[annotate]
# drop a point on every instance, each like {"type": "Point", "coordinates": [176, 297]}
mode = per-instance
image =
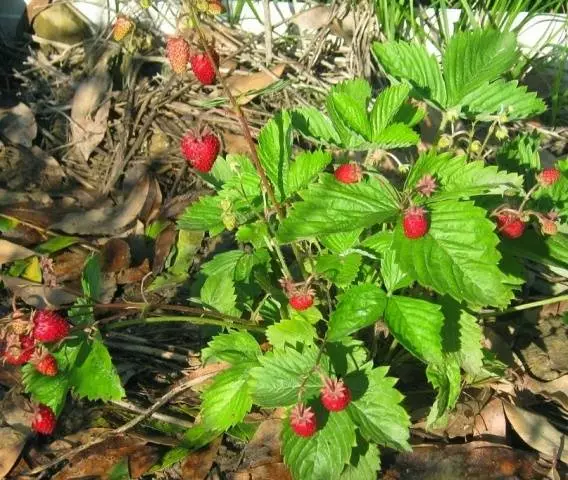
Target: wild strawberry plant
{"type": "Point", "coordinates": [327, 246]}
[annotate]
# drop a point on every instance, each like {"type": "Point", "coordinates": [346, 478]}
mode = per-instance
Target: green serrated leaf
{"type": "Point", "coordinates": [417, 325]}
{"type": "Point", "coordinates": [55, 244]}
{"type": "Point", "coordinates": [552, 250]}
{"type": "Point", "coordinates": [282, 371]}
{"type": "Point", "coordinates": [313, 124]}
{"type": "Point", "coordinates": [348, 117]}
{"type": "Point", "coordinates": [462, 337]}
{"type": "Point", "coordinates": [339, 269]}
{"type": "Point", "coordinates": [324, 455]}
{"type": "Point", "coordinates": [520, 154]}
{"type": "Point", "coordinates": [473, 58]}
{"type": "Point", "coordinates": [253, 233]}
{"type": "Point", "coordinates": [410, 115]}
{"type": "Point", "coordinates": [393, 276]}
{"type": "Point", "coordinates": [305, 168]}
{"type": "Point", "coordinates": [311, 315]}
{"type": "Point", "coordinates": [228, 399]}
{"type": "Point", "coordinates": [91, 279]}
{"type": "Point", "coordinates": [379, 242]}
{"type": "Point", "coordinates": [396, 135]}
{"type": "Point", "coordinates": [218, 292]}
{"type": "Point", "coordinates": [223, 263]}
{"type": "Point", "coordinates": [359, 307]}
{"type": "Point", "coordinates": [204, 215]}
{"type": "Point", "coordinates": [376, 408]}
{"type": "Point", "coordinates": [94, 376]}
{"type": "Point", "coordinates": [233, 347]}
{"type": "Point", "coordinates": [339, 242]}
{"type": "Point", "coordinates": [387, 104]}
{"type": "Point", "coordinates": [412, 62]}
{"type": "Point", "coordinates": [82, 312]}
{"type": "Point", "coordinates": [290, 332]}
{"type": "Point", "coordinates": [446, 378]}
{"type": "Point", "coordinates": [333, 207]}
{"type": "Point", "coordinates": [457, 256]}
{"type": "Point", "coordinates": [275, 150]}
{"type": "Point", "coordinates": [187, 245]}
{"type": "Point", "coordinates": [364, 464]}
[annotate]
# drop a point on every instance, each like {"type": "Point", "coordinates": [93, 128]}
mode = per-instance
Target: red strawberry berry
{"type": "Point", "coordinates": [49, 326]}
{"type": "Point", "coordinates": [511, 226]}
{"type": "Point", "coordinates": [348, 173]}
{"type": "Point", "coordinates": [177, 51]}
{"type": "Point", "coordinates": [335, 395]}
{"type": "Point", "coordinates": [549, 176]}
{"type": "Point", "coordinates": [20, 352]}
{"type": "Point", "coordinates": [301, 301]}
{"type": "Point", "coordinates": [201, 150]}
{"type": "Point", "coordinates": [47, 365]}
{"type": "Point", "coordinates": [122, 27]}
{"type": "Point", "coordinates": [202, 67]}
{"type": "Point", "coordinates": [44, 420]}
{"type": "Point", "coordinates": [414, 223]}
{"type": "Point", "coordinates": [303, 420]}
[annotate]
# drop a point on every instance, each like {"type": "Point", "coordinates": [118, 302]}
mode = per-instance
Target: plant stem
{"type": "Point", "coordinates": [526, 306]}
{"type": "Point", "coordinates": [182, 318]}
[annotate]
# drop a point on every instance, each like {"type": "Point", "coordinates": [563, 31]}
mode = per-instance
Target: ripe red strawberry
{"type": "Point", "coordinates": [44, 420]}
{"type": "Point", "coordinates": [177, 51]}
{"type": "Point", "coordinates": [348, 173]}
{"type": "Point", "coordinates": [122, 27]}
{"type": "Point", "coordinates": [511, 226]}
{"type": "Point", "coordinates": [414, 223]}
{"type": "Point", "coordinates": [20, 352]}
{"type": "Point", "coordinates": [200, 150]}
{"type": "Point", "coordinates": [202, 67]}
{"type": "Point", "coordinates": [548, 227]}
{"type": "Point", "coordinates": [549, 176]}
{"type": "Point", "coordinates": [303, 420]}
{"type": "Point", "coordinates": [49, 326]}
{"type": "Point", "coordinates": [301, 301]}
{"type": "Point", "coordinates": [335, 395]}
{"type": "Point", "coordinates": [47, 365]}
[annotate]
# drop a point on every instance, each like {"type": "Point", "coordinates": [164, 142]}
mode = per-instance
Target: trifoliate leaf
{"type": "Point", "coordinates": [313, 124]}
{"type": "Point", "coordinates": [282, 371]}
{"type": "Point", "coordinates": [412, 62]}
{"type": "Point", "coordinates": [94, 376]}
{"type": "Point", "coordinates": [457, 256]}
{"type": "Point", "coordinates": [339, 269]}
{"type": "Point", "coordinates": [234, 347]}
{"type": "Point", "coordinates": [275, 150]}
{"type": "Point", "coordinates": [417, 325]}
{"type": "Point", "coordinates": [324, 455]}
{"type": "Point", "coordinates": [462, 336]}
{"type": "Point", "coordinates": [376, 408]}
{"type": "Point", "coordinates": [290, 332]}
{"type": "Point", "coordinates": [501, 97]}
{"type": "Point", "coordinates": [475, 57]}
{"type": "Point", "coordinates": [446, 378]}
{"type": "Point", "coordinates": [339, 242]}
{"type": "Point", "coordinates": [305, 168]}
{"type": "Point", "coordinates": [204, 215]}
{"type": "Point", "coordinates": [228, 399]}
{"type": "Point", "coordinates": [386, 106]}
{"type": "Point", "coordinates": [333, 207]}
{"type": "Point", "coordinates": [218, 292]}
{"type": "Point", "coordinates": [364, 463]}
{"type": "Point", "coordinates": [359, 307]}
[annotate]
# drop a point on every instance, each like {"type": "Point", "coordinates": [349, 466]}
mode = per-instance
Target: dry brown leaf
{"type": "Point", "coordinates": [106, 220]}
{"type": "Point", "coordinates": [99, 460]}
{"type": "Point", "coordinates": [10, 252]}
{"type": "Point", "coordinates": [69, 265]}
{"type": "Point", "coordinates": [89, 114]}
{"type": "Point", "coordinates": [134, 274]}
{"type": "Point", "coordinates": [491, 420]}
{"type": "Point", "coordinates": [536, 431]}
{"type": "Point", "coordinates": [36, 294]}
{"type": "Point", "coordinates": [197, 464]}
{"type": "Point", "coordinates": [264, 472]}
{"type": "Point", "coordinates": [18, 124]}
{"type": "Point", "coordinates": [17, 418]}
{"type": "Point", "coordinates": [241, 84]}
{"type": "Point", "coordinates": [115, 255]}
{"type": "Point", "coordinates": [235, 144]}
{"type": "Point", "coordinates": [313, 18]}
{"type": "Point", "coordinates": [264, 446]}
{"type": "Point", "coordinates": [162, 247]}
{"type": "Point", "coordinates": [556, 390]}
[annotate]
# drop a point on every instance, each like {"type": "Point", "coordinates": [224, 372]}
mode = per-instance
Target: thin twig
{"type": "Point", "coordinates": [526, 306]}
{"type": "Point", "coordinates": [267, 31]}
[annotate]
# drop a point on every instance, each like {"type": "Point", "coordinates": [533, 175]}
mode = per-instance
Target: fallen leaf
{"type": "Point", "coordinates": [134, 274]}
{"type": "Point", "coordinates": [115, 255]}
{"type": "Point", "coordinates": [313, 18]}
{"type": "Point", "coordinates": [10, 252]}
{"type": "Point", "coordinates": [89, 114]}
{"type": "Point", "coordinates": [36, 294]}
{"type": "Point", "coordinates": [536, 431]}
{"type": "Point", "coordinates": [61, 23]}
{"type": "Point", "coordinates": [17, 418]}
{"type": "Point", "coordinates": [162, 247]}
{"type": "Point", "coordinates": [197, 464]}
{"type": "Point", "coordinates": [264, 472]}
{"type": "Point", "coordinates": [18, 124]}
{"type": "Point", "coordinates": [265, 445]}
{"type": "Point", "coordinates": [106, 220]}
{"type": "Point", "coordinates": [235, 144]}
{"type": "Point", "coordinates": [69, 265]}
{"type": "Point", "coordinates": [239, 85]}
{"type": "Point", "coordinates": [99, 460]}
{"type": "Point", "coordinates": [491, 421]}
{"type": "Point", "coordinates": [556, 390]}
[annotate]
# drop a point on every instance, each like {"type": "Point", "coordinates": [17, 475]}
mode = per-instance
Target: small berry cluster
{"type": "Point", "coordinates": [25, 343]}
{"type": "Point", "coordinates": [334, 396]}
{"type": "Point", "coordinates": [300, 295]}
